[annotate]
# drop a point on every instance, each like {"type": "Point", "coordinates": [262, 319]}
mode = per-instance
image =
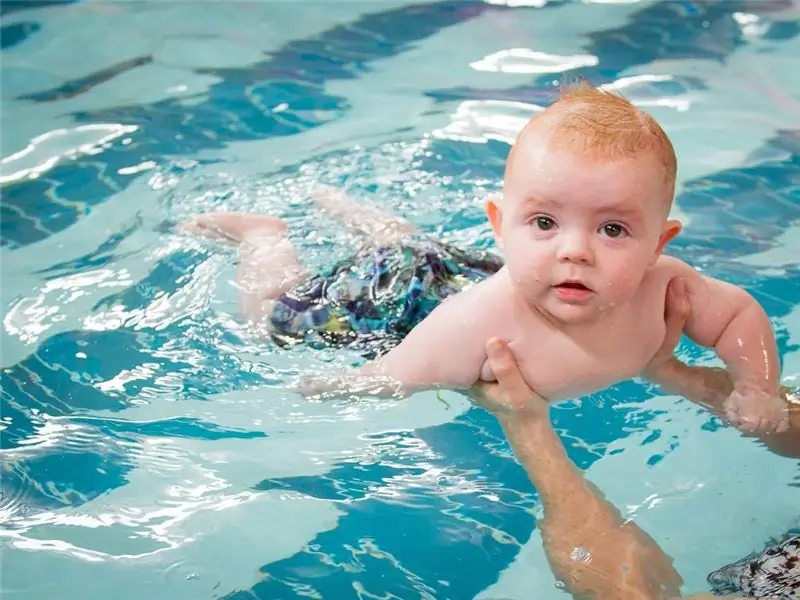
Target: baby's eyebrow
{"type": "Point", "coordinates": [624, 211]}
{"type": "Point", "coordinates": [621, 209]}
{"type": "Point", "coordinates": [536, 201]}
{"type": "Point", "coordinates": [631, 213]}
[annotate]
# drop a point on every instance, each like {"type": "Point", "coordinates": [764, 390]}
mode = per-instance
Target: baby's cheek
{"type": "Point", "coordinates": [626, 275]}
{"type": "Point", "coordinates": [619, 289]}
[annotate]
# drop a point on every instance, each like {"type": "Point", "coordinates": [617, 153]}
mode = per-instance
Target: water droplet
{"type": "Point", "coordinates": [581, 555]}
{"type": "Point", "coordinates": [185, 577]}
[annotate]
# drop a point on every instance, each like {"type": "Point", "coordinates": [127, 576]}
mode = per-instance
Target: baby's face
{"type": "Point", "coordinates": [579, 233]}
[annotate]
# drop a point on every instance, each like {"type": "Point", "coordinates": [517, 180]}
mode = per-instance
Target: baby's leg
{"type": "Point", "coordinates": [383, 228]}
{"type": "Point", "coordinates": [230, 227]}
{"type": "Point", "coordinates": [268, 265]}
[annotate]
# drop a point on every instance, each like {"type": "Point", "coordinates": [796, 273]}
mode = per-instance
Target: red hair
{"type": "Point", "coordinates": [589, 120]}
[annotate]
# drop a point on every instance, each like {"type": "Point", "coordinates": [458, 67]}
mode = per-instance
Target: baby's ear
{"type": "Point", "coordinates": [495, 215]}
{"type": "Point", "coordinates": [670, 231]}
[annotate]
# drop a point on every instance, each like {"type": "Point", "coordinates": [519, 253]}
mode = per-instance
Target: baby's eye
{"type": "Point", "coordinates": [614, 230]}
{"type": "Point", "coordinates": [544, 223]}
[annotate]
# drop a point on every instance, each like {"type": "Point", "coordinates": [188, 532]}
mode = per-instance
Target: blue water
{"type": "Point", "coordinates": [147, 444]}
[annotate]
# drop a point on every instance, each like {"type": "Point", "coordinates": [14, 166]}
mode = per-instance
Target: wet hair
{"type": "Point", "coordinates": [603, 125]}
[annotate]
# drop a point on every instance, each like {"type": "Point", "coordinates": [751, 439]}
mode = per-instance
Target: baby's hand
{"type": "Point", "coordinates": [753, 410]}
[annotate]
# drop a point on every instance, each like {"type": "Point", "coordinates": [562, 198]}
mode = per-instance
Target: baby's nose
{"type": "Point", "coordinates": [576, 249]}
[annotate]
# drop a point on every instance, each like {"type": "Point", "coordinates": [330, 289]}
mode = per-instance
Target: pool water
{"type": "Point", "coordinates": [148, 447]}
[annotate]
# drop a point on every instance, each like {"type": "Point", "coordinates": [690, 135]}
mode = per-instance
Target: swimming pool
{"type": "Point", "coordinates": [147, 446]}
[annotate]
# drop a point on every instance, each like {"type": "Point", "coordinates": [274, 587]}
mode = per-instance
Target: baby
{"type": "Point", "coordinates": [582, 224]}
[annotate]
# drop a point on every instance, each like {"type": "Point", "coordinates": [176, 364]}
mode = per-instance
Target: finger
{"type": "Point", "coordinates": [678, 303]}
{"type": "Point", "coordinates": [785, 422]}
{"type": "Point", "coordinates": [505, 368]}
{"type": "Point", "coordinates": [479, 392]}
{"type": "Point", "coordinates": [672, 336]}
{"type": "Point", "coordinates": [484, 388]}
{"type": "Point", "coordinates": [782, 424]}
{"type": "Point", "coordinates": [731, 412]}
{"type": "Point", "coordinates": [677, 313]}
{"type": "Point", "coordinates": [772, 426]}
{"type": "Point", "coordinates": [748, 426]}
{"type": "Point", "coordinates": [747, 423]}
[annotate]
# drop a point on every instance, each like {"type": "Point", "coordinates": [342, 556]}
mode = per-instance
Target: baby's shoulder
{"type": "Point", "coordinates": [667, 268]}
{"type": "Point", "coordinates": [656, 280]}
{"type": "Point", "coordinates": [478, 293]}
{"type": "Point", "coordinates": [481, 304]}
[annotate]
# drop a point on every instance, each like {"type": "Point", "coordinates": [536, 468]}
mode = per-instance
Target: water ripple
{"type": "Point", "coordinates": [45, 151]}
{"type": "Point", "coordinates": [143, 425]}
{"type": "Point", "coordinates": [523, 60]}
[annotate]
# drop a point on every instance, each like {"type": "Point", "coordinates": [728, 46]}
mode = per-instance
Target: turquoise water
{"type": "Point", "coordinates": [147, 446]}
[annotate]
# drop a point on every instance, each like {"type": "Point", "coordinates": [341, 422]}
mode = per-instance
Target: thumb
{"type": "Point", "coordinates": [677, 312]}
{"type": "Point", "coordinates": [505, 367]}
{"type": "Point", "coordinates": [678, 302]}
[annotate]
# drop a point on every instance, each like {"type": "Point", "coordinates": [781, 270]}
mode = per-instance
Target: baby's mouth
{"type": "Point", "coordinates": [573, 285]}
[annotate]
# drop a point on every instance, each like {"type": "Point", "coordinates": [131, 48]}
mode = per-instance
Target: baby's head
{"type": "Point", "coordinates": [587, 193]}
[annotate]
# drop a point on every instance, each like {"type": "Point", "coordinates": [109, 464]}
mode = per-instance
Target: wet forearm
{"type": "Point", "coordinates": [709, 386]}
{"type": "Point", "coordinates": [540, 451]}
{"type": "Point", "coordinates": [572, 505]}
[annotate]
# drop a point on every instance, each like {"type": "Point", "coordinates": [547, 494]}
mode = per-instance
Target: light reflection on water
{"type": "Point", "coordinates": [145, 428]}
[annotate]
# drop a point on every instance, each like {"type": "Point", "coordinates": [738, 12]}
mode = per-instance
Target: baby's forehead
{"type": "Point", "coordinates": [587, 180]}
{"type": "Point", "coordinates": [545, 156]}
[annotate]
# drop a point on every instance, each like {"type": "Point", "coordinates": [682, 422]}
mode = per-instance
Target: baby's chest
{"type": "Point", "coordinates": [560, 368]}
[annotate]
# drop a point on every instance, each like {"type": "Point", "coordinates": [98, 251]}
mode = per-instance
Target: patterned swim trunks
{"type": "Point", "coordinates": [772, 573]}
{"type": "Point", "coordinates": [371, 301]}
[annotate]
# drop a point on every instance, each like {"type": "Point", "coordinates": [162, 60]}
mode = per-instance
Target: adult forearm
{"type": "Point", "coordinates": [588, 544]}
{"type": "Point", "coordinates": [709, 386]}
{"type": "Point", "coordinates": [540, 451]}
{"type": "Point", "coordinates": [576, 514]}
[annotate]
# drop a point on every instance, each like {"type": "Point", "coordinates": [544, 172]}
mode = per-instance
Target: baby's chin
{"type": "Point", "coordinates": [570, 314]}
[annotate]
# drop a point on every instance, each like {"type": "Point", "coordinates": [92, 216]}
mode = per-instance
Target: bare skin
{"type": "Point", "coordinates": [615, 558]}
{"type": "Point", "coordinates": [582, 348]}
{"type": "Point", "coordinates": [580, 298]}
{"type": "Point", "coordinates": [591, 548]}
{"type": "Point", "coordinates": [571, 342]}
{"type": "Point", "coordinates": [268, 266]}
{"type": "Point", "coordinates": [711, 387]}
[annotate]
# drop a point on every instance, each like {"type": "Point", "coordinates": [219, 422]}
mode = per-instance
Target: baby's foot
{"type": "Point", "coordinates": [756, 411]}
{"type": "Point", "coordinates": [232, 227]}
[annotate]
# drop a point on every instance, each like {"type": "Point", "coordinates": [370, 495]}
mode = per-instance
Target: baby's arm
{"type": "Point", "coordinates": [728, 319]}
{"type": "Point", "coordinates": [731, 321]}
{"type": "Point", "coordinates": [446, 350]}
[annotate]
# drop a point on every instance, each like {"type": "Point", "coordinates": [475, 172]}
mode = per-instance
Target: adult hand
{"type": "Point", "coordinates": [509, 394]}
